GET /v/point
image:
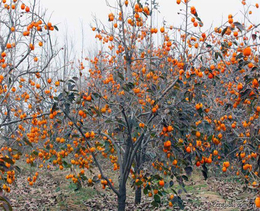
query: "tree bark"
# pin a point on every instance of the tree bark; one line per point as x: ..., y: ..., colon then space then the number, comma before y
x: 138, y: 195
x: 140, y: 159
x: 122, y: 197
x: 138, y: 190
x: 124, y: 172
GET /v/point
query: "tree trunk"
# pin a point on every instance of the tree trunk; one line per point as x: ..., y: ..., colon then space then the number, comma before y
x: 138, y: 195
x: 138, y: 190
x: 140, y: 159
x: 123, y: 177
x: 122, y: 197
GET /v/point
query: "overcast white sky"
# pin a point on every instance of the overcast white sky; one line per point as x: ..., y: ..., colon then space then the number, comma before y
x: 71, y: 14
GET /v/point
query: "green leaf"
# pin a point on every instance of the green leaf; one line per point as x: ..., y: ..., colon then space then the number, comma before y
x: 155, y: 204
x: 160, y: 193
x: 66, y: 165
x: 188, y: 170
x: 130, y: 85
x: 157, y: 198
x: 185, y: 177
x: 174, y: 191
x: 120, y: 75
x: 210, y: 137
x: 180, y: 203
x: 253, y: 37
x: 17, y: 169
x: 146, y: 191
x: 35, y: 153
x: 83, y: 177
x: 125, y: 87
x: 107, y: 147
x: 239, y: 56
x: 54, y: 106
x: 218, y: 54
x: 224, y: 31
x: 8, y: 160
x: 239, y: 26
x: 27, y: 142
x: 96, y: 95
x: 108, y: 121
x: 56, y: 28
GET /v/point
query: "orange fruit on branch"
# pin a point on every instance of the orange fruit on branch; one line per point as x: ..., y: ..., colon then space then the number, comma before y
x: 226, y: 164
x: 247, y: 51
x: 161, y: 183
x: 170, y: 128
x: 257, y: 201
x: 167, y: 144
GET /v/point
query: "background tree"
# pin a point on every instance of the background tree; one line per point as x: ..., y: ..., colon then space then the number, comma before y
x: 26, y: 55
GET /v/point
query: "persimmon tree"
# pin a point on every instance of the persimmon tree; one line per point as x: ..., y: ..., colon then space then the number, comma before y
x: 133, y: 85
x: 228, y: 60
x: 119, y: 113
x: 26, y: 54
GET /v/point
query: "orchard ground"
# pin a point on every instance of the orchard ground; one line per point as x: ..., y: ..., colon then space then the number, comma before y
x: 53, y: 192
